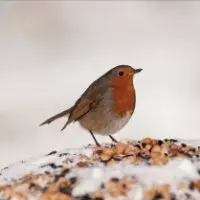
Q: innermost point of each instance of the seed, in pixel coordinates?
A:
(147, 141)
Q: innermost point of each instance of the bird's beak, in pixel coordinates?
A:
(138, 70)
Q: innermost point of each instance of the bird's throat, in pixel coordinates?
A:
(124, 99)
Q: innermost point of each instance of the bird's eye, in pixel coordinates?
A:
(121, 73)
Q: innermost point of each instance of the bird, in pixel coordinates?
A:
(106, 106)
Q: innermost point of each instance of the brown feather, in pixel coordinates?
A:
(87, 102)
(57, 116)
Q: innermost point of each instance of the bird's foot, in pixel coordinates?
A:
(113, 139)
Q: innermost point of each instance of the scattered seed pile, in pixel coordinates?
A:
(149, 169)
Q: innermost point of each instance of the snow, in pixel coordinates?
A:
(90, 178)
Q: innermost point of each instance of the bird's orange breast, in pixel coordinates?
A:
(123, 94)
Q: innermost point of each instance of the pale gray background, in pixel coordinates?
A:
(50, 52)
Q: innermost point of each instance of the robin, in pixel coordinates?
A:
(106, 105)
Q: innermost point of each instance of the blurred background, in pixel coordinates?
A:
(51, 51)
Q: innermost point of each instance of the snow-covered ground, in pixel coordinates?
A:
(135, 170)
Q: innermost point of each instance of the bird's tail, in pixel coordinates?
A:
(57, 116)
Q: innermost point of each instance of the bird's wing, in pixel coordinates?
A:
(88, 101)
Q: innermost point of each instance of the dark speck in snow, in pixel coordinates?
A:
(51, 153)
(114, 179)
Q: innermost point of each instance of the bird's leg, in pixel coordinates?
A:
(113, 139)
(95, 139)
